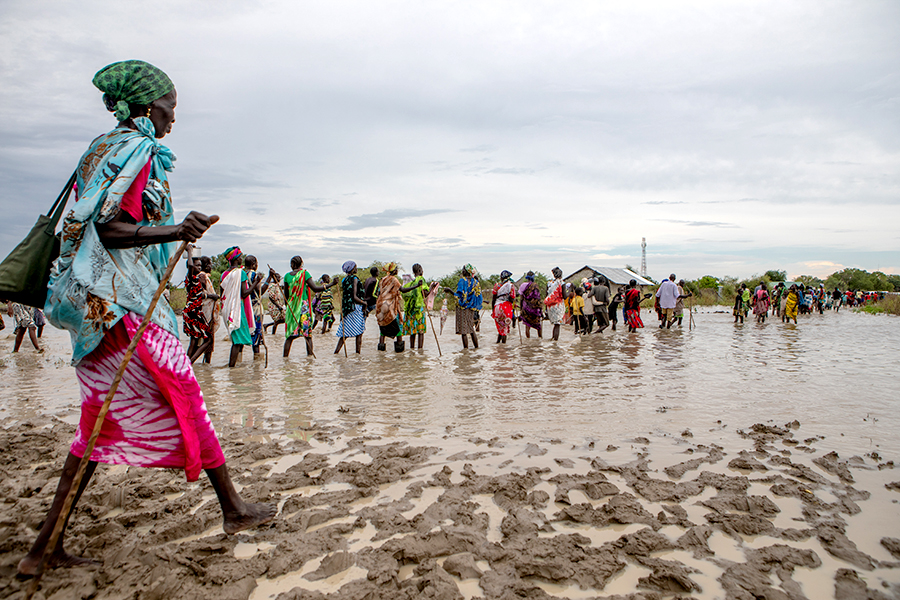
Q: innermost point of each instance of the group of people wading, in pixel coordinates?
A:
(300, 302)
(789, 301)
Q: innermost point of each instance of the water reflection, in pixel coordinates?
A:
(831, 371)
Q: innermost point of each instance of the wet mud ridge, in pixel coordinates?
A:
(774, 515)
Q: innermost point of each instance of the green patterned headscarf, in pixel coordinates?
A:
(131, 81)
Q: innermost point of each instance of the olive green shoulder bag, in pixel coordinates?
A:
(24, 274)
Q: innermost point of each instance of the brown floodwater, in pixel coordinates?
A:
(836, 373)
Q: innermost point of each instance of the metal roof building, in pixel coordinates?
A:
(614, 275)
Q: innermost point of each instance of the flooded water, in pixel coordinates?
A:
(836, 373)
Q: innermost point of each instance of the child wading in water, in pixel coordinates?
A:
(739, 305)
(326, 303)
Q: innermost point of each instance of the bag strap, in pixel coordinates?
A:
(56, 211)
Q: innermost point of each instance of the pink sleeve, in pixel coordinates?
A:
(131, 200)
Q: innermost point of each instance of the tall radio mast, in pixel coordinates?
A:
(643, 257)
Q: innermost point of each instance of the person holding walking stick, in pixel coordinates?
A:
(353, 315)
(115, 248)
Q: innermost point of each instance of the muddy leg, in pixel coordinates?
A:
(59, 558)
(20, 335)
(239, 515)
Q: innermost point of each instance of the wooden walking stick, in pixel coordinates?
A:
(343, 336)
(98, 425)
(691, 314)
(434, 332)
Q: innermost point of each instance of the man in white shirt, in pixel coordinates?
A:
(668, 298)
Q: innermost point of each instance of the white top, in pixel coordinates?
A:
(667, 294)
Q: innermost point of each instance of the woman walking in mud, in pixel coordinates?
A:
(791, 305)
(298, 312)
(468, 302)
(23, 321)
(504, 294)
(632, 307)
(276, 304)
(389, 306)
(196, 326)
(738, 309)
(414, 307)
(353, 309)
(532, 306)
(236, 304)
(123, 222)
(555, 301)
(761, 303)
(211, 306)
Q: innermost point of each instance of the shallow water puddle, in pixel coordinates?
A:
(285, 462)
(579, 497)
(217, 530)
(362, 538)
(309, 490)
(880, 516)
(495, 515)
(625, 582)
(266, 589)
(597, 535)
(245, 550)
(816, 583)
(563, 591)
(203, 500)
(339, 520)
(725, 547)
(469, 588)
(429, 496)
(707, 574)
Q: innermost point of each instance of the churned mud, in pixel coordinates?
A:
(774, 515)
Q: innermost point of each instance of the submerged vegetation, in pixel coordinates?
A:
(890, 304)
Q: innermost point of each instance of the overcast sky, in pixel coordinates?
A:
(735, 136)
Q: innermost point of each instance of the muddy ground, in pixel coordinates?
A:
(773, 515)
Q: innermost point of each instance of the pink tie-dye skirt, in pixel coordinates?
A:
(157, 417)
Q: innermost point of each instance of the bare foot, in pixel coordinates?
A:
(253, 515)
(28, 566)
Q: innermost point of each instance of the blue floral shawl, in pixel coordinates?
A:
(91, 286)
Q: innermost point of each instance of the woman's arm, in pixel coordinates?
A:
(121, 233)
(189, 263)
(312, 285)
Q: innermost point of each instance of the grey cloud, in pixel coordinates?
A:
(697, 223)
(510, 171)
(481, 148)
(387, 218)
